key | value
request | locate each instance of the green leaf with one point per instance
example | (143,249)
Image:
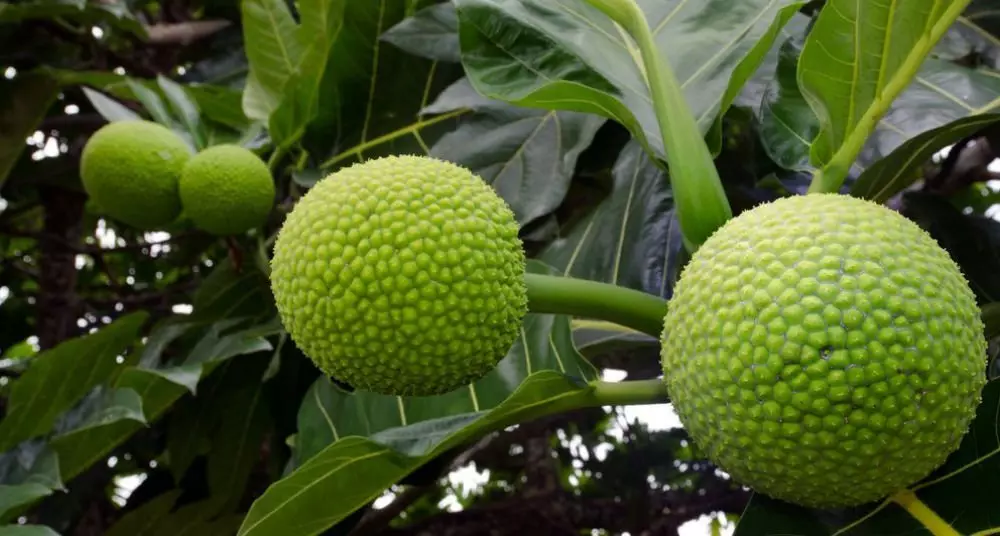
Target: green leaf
(152,102)
(991,318)
(65,374)
(109,407)
(79,11)
(431,33)
(356,470)
(595,338)
(26,530)
(631,238)
(901,168)
(328,413)
(185,108)
(787,124)
(143,520)
(109,108)
(858,57)
(236,446)
(273,49)
(12,497)
(80,450)
(529,156)
(962,492)
(590,66)
(24,102)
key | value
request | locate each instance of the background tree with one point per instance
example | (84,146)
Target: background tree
(146,383)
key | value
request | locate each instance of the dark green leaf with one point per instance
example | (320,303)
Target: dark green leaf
(962,492)
(991,318)
(236,447)
(432,33)
(972,241)
(80,450)
(81,11)
(185,108)
(328,413)
(27,530)
(374,92)
(589,65)
(594,338)
(901,168)
(356,470)
(108,407)
(109,108)
(787,123)
(631,238)
(529,156)
(143,520)
(65,373)
(19,495)
(23,104)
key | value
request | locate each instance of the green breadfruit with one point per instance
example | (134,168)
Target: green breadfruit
(130,169)
(226,190)
(402,275)
(824,350)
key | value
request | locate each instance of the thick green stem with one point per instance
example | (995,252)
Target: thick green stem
(922,513)
(700,200)
(831,177)
(630,393)
(590,299)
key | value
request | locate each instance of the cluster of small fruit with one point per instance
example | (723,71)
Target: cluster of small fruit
(145,175)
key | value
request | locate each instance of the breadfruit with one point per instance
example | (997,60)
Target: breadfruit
(824,350)
(131,169)
(226,190)
(402,275)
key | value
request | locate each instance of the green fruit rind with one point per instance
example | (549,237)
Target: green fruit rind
(226,190)
(131,169)
(824,350)
(402,275)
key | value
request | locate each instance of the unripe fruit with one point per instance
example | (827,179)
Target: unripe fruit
(226,190)
(131,170)
(824,350)
(402,275)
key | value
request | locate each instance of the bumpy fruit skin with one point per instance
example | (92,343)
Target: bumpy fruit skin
(226,190)
(131,170)
(824,350)
(402,275)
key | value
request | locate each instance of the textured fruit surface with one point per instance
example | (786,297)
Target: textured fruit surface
(226,190)
(824,350)
(402,275)
(131,169)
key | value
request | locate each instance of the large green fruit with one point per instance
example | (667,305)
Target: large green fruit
(226,190)
(131,170)
(402,275)
(824,350)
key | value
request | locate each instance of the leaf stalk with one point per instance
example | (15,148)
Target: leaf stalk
(922,513)
(831,176)
(701,202)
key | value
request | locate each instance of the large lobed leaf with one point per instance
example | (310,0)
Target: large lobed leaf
(590,65)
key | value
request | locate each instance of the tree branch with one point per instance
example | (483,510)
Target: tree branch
(57,300)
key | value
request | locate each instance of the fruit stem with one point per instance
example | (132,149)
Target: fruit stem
(630,393)
(548,294)
(927,517)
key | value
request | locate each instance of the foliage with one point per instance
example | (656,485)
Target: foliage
(160,356)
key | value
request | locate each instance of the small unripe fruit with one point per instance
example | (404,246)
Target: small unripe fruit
(402,275)
(131,169)
(226,190)
(824,350)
